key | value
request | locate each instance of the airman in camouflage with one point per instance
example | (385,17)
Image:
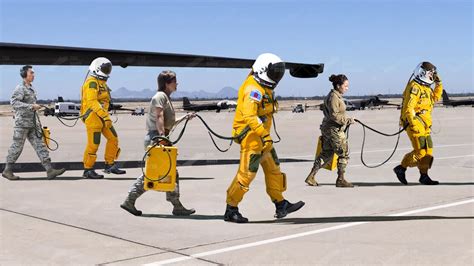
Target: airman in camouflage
(333,129)
(24,105)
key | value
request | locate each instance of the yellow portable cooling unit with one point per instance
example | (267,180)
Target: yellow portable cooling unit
(160,168)
(46,135)
(333,163)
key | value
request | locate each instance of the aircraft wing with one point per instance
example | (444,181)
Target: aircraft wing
(31,54)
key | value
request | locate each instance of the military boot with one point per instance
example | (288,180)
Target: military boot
(400,172)
(310,180)
(426,180)
(53,173)
(180,210)
(113,169)
(129,205)
(233,215)
(91,174)
(8,174)
(285,207)
(341,182)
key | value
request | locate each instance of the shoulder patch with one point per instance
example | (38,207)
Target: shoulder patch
(414,90)
(256,95)
(92,85)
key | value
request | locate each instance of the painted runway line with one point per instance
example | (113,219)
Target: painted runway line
(299,235)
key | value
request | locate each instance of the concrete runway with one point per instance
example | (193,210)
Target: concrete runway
(72,221)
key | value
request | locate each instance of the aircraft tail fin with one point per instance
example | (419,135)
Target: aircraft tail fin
(445,97)
(186,101)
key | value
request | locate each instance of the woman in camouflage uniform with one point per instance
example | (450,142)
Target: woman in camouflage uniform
(333,129)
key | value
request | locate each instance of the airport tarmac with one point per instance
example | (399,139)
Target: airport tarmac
(72,221)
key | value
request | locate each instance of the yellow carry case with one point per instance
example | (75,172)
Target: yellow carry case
(333,163)
(46,136)
(160,168)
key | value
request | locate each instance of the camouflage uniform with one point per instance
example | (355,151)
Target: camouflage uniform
(332,129)
(334,141)
(26,127)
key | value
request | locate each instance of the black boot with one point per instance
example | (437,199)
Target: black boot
(426,180)
(233,215)
(400,172)
(91,174)
(113,169)
(285,207)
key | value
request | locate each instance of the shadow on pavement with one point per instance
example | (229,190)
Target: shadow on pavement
(191,217)
(349,219)
(75,178)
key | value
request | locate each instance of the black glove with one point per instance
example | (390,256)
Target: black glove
(436,78)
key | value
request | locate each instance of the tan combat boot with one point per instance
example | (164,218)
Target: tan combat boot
(310,180)
(129,205)
(53,173)
(180,210)
(341,182)
(8,174)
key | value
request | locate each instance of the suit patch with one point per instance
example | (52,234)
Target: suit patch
(256,95)
(93,85)
(414,90)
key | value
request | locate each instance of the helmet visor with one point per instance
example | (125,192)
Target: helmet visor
(276,71)
(106,68)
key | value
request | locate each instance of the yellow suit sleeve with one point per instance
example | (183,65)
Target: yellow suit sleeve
(412,98)
(249,114)
(92,90)
(438,92)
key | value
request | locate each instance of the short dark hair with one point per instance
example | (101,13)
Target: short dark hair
(337,80)
(24,70)
(165,77)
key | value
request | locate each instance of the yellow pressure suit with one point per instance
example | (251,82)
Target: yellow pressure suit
(255,106)
(418,102)
(94,111)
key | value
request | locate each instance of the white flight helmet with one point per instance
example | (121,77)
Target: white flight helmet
(268,70)
(424,73)
(101,68)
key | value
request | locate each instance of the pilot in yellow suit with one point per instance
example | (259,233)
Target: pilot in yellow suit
(95,103)
(418,101)
(255,108)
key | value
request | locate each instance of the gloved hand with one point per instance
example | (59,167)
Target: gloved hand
(436,77)
(267,143)
(351,121)
(108,123)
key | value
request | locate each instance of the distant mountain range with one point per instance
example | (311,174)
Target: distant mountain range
(224,93)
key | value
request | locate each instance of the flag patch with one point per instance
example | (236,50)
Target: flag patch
(256,95)
(414,90)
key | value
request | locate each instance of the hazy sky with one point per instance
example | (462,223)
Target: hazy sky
(375,43)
